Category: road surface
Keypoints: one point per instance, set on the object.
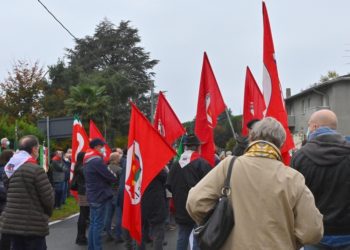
(62, 237)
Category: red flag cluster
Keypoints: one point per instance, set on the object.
(149, 147)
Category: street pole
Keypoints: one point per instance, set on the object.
(48, 137)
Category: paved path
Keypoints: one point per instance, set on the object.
(62, 237)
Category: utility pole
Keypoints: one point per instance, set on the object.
(48, 137)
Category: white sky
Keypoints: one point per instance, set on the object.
(311, 37)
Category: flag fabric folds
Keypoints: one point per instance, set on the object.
(94, 132)
(166, 121)
(148, 153)
(80, 143)
(272, 88)
(254, 104)
(210, 106)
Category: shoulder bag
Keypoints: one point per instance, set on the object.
(220, 221)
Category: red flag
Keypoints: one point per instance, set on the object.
(80, 143)
(254, 104)
(166, 121)
(148, 153)
(210, 106)
(95, 133)
(272, 87)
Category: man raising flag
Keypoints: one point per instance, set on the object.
(272, 87)
(210, 106)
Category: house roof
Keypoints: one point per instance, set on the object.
(320, 86)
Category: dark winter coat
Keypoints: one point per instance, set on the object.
(179, 183)
(154, 201)
(80, 179)
(30, 200)
(2, 189)
(58, 169)
(98, 180)
(325, 164)
(120, 197)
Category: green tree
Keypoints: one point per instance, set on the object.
(112, 58)
(22, 91)
(331, 74)
(89, 101)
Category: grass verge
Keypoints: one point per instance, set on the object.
(71, 207)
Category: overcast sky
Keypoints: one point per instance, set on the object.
(311, 37)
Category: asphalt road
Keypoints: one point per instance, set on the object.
(62, 237)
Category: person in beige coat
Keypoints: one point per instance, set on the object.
(273, 208)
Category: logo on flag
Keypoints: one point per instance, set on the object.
(207, 109)
(252, 108)
(161, 128)
(134, 173)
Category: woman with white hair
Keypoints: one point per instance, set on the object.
(273, 208)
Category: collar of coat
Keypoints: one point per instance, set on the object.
(263, 149)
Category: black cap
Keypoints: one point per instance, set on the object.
(191, 140)
(251, 123)
(96, 142)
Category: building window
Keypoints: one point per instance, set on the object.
(309, 103)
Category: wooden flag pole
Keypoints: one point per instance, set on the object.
(229, 121)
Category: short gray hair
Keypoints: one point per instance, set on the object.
(268, 129)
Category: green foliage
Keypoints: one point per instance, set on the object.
(331, 74)
(110, 58)
(223, 132)
(121, 141)
(8, 129)
(90, 101)
(22, 91)
(189, 126)
(71, 207)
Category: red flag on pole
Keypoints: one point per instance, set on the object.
(148, 153)
(166, 121)
(210, 106)
(95, 133)
(254, 104)
(80, 143)
(272, 88)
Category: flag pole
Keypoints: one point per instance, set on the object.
(229, 121)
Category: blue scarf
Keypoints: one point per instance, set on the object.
(321, 131)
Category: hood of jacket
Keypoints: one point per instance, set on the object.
(327, 149)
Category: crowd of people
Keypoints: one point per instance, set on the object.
(275, 206)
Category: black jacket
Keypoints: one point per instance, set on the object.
(325, 163)
(2, 189)
(179, 183)
(154, 201)
(80, 179)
